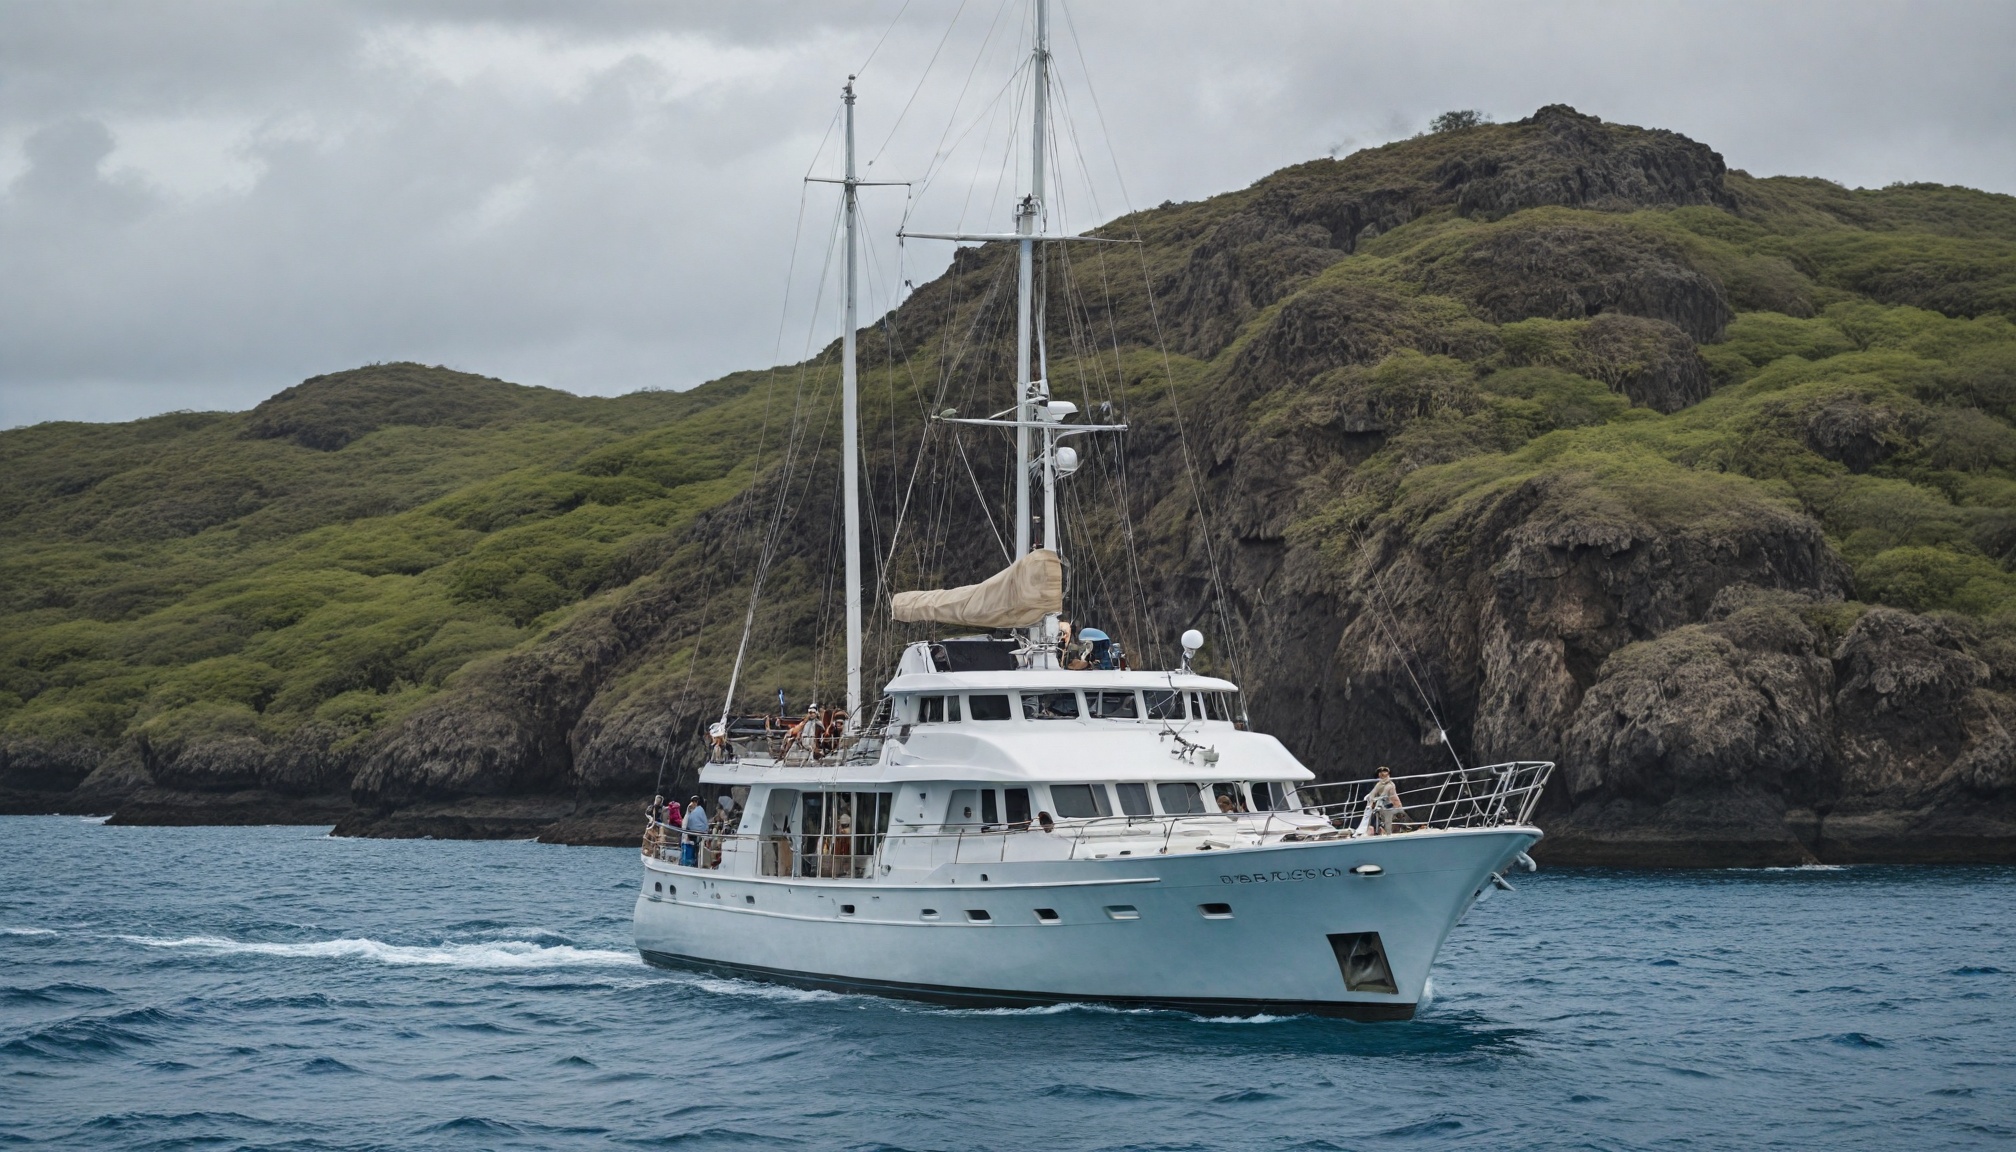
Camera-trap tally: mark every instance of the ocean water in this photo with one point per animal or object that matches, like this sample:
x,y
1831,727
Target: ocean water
x,y
273,988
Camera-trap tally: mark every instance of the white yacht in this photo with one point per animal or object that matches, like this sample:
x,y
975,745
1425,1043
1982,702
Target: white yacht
x,y
1021,819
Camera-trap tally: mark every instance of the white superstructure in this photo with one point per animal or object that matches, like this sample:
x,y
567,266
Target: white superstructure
x,y
1018,822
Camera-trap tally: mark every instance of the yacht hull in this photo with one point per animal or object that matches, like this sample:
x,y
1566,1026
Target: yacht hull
x,y
1224,932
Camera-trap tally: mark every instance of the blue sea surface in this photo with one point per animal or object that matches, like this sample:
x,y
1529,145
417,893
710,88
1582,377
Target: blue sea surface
x,y
274,988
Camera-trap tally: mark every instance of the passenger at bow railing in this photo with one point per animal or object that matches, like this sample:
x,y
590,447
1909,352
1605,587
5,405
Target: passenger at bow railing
x,y
1386,807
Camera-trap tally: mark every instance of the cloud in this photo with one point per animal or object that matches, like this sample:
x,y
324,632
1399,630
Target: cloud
x,y
205,202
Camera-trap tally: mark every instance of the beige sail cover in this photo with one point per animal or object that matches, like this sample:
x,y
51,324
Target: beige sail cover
x,y
1015,597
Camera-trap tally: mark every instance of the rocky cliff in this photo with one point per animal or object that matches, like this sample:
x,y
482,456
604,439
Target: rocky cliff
x,y
1552,439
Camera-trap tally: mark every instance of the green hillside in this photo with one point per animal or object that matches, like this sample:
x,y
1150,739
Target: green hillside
x,y
1392,377
316,566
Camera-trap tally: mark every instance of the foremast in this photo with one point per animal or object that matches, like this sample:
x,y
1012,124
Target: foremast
x,y
850,421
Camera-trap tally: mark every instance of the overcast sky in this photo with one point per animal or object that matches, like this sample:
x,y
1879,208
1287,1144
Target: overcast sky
x,y
202,203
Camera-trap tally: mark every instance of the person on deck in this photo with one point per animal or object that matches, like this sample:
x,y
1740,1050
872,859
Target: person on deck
x,y
1385,801
696,827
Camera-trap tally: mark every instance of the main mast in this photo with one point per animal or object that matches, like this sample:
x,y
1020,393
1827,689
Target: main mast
x,y
850,468
1032,390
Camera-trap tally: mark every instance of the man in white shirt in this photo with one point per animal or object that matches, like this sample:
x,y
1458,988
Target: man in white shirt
x,y
696,827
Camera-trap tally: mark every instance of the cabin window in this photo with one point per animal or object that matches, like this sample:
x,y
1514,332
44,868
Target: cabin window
x,y
1111,706
1018,805
1224,794
1163,704
990,809
1179,799
1134,800
1050,705
1271,796
1080,801
987,707
930,709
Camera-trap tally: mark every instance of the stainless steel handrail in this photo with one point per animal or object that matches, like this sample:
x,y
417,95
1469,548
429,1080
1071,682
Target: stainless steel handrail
x,y
1486,796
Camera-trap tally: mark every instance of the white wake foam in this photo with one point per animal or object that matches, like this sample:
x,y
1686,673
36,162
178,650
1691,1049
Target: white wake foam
x,y
1798,868
27,932
492,954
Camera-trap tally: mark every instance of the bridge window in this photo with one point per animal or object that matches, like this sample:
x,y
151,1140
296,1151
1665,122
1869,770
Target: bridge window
x,y
1050,705
1111,705
1018,806
1163,704
1179,799
1271,796
1080,801
1134,799
938,709
987,707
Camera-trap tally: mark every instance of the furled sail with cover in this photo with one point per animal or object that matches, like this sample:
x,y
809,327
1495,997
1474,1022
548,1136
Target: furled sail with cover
x,y
1015,597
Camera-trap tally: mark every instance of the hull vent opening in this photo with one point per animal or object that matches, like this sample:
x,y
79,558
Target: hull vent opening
x,y
846,909
1123,912
978,915
1047,915
1362,959
1216,911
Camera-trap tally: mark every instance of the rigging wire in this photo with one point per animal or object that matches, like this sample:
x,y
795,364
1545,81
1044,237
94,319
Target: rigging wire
x,y
1400,652
885,36
922,77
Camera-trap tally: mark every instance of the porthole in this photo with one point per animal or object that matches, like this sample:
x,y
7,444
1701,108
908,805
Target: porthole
x,y
1123,912
978,916
1216,911
748,899
671,890
657,887
1367,870
1047,916
846,909
929,914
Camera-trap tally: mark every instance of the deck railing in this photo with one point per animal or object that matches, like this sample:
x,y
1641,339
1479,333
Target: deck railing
x,y
1490,796
1484,796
